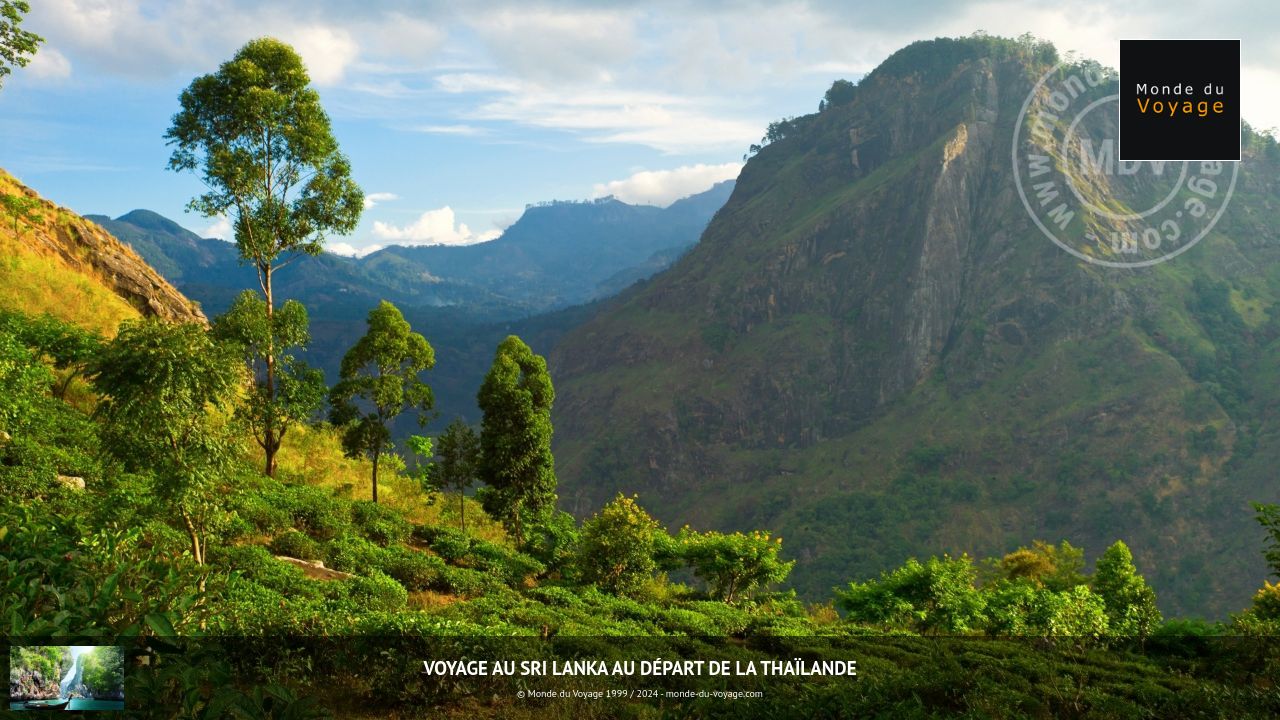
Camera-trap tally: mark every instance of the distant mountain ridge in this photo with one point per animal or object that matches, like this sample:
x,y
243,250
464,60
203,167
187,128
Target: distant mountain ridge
x,y
604,244
465,300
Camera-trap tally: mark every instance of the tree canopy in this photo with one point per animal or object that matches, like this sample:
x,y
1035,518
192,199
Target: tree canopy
x,y
515,436
16,45
378,381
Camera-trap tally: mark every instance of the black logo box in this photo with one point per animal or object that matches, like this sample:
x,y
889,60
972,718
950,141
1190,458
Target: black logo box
x,y
1185,65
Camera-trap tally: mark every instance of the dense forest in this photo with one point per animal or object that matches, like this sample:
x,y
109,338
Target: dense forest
x,y
261,548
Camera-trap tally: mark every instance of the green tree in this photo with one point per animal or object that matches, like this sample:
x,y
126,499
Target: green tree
x,y
162,386
458,449
515,436
1059,567
1130,602
378,381
841,92
262,143
20,209
22,380
617,546
299,390
733,564
1269,519
937,595
16,45
70,347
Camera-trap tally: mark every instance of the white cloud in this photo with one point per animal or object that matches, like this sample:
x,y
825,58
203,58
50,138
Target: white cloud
x,y
434,227
466,130
663,187
349,250
49,64
667,122
555,45
326,51
372,199
221,229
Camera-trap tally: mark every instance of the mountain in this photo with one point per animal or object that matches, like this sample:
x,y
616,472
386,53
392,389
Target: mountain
x,y
465,300
59,263
210,271
604,241
875,351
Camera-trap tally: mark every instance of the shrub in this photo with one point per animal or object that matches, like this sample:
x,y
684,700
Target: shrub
x,y
511,565
414,570
315,511
296,545
354,554
448,543
554,542
464,581
733,564
378,591
255,563
616,549
264,513
379,523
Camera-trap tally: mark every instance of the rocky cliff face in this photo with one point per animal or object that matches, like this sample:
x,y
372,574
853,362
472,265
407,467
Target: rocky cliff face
x,y
32,685
83,247
875,351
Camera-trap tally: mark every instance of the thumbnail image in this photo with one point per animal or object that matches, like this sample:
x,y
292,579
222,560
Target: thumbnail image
x,y
66,677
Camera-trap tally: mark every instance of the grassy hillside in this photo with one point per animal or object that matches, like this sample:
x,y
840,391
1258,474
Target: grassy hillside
x,y
36,280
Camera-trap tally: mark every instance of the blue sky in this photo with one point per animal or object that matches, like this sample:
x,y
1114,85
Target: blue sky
x,y
456,115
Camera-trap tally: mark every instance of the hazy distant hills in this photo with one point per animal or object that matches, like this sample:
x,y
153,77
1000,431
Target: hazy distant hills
x,y
556,255
563,254
465,300
874,351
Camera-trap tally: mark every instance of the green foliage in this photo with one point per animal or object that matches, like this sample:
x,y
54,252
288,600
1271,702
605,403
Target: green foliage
x,y
1130,602
159,383
103,670
263,146
841,92
515,437
458,449
354,554
415,570
19,208
297,545
61,576
378,381
553,541
383,526
1266,602
22,381
69,347
617,547
935,596
291,392
1054,567
16,45
1269,519
733,565
378,592
264,149
314,510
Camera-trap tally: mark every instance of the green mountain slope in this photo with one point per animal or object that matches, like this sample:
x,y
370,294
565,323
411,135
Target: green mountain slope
x,y
874,351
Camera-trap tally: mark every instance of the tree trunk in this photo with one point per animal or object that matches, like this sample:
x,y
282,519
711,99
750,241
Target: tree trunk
x,y
376,453
270,443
